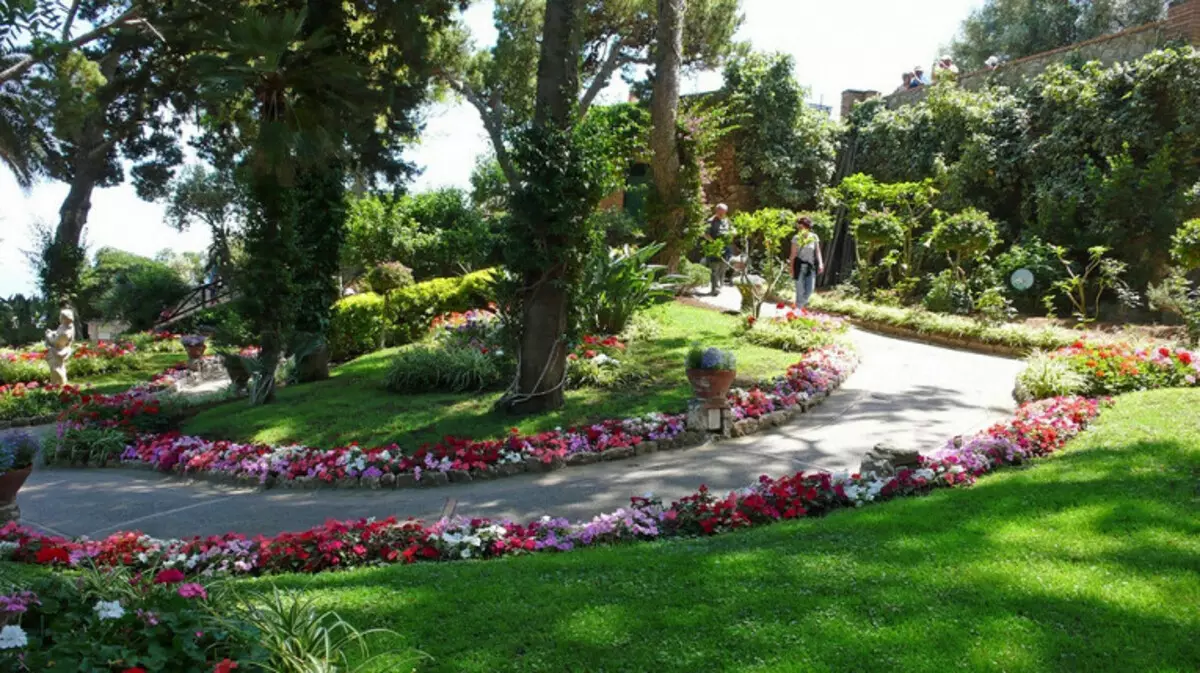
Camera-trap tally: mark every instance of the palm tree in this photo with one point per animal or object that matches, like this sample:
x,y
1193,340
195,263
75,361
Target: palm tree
x,y
20,149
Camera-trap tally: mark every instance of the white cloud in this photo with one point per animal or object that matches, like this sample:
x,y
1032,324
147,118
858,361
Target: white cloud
x,y
852,44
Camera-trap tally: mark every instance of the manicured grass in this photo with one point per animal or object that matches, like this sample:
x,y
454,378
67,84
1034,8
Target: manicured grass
x,y
353,406
1087,561
149,366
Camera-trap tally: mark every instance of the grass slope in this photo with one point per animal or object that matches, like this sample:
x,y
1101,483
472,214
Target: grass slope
x,y
1089,561
149,366
353,406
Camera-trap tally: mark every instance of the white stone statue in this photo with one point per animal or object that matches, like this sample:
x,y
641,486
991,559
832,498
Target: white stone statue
x,y
59,344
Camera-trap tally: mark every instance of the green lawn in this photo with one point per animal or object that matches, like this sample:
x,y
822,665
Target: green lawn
x,y
1088,561
353,406
149,366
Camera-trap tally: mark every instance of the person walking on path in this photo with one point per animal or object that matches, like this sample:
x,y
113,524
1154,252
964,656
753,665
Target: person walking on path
x,y
806,261
718,250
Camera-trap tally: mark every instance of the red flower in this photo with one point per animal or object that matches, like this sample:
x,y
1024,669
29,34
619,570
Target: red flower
x,y
47,555
750,320
589,354
169,576
135,669
225,666
781,305
1185,357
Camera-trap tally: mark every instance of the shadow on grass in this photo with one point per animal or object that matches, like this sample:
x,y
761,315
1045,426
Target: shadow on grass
x,y
1087,562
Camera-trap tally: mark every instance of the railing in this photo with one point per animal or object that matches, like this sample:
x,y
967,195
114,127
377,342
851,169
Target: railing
x,y
200,298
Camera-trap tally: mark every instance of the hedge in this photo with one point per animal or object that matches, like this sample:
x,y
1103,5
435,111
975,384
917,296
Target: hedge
x,y
358,320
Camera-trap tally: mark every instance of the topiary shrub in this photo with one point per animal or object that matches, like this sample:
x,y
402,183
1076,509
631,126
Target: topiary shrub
x,y
389,276
355,326
964,235
425,369
359,320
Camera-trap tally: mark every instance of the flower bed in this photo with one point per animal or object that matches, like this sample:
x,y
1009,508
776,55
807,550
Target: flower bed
x,y
26,366
797,331
950,330
1089,368
145,420
34,403
1036,430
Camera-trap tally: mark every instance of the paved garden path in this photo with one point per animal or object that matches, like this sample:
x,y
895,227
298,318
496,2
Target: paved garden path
x,y
904,392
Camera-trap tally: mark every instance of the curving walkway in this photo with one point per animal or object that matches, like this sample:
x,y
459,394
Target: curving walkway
x,y
904,392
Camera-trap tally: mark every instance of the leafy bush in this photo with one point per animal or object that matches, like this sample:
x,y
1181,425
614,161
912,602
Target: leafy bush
x,y
790,337
226,324
426,369
1178,295
964,235
124,286
1116,368
993,307
1046,376
355,326
1185,245
358,321
1041,259
389,276
436,234
614,286
688,277
95,446
947,295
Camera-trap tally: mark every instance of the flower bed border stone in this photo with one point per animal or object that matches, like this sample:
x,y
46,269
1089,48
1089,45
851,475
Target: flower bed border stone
x,y
687,438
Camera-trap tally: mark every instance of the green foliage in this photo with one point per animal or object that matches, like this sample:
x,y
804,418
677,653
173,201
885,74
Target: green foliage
x,y
823,223
970,233
1084,288
614,286
1047,376
689,277
785,148
1041,259
947,294
436,234
1185,245
875,232
389,276
226,323
128,287
1019,28
93,446
424,369
795,336
19,320
151,625
1178,295
359,320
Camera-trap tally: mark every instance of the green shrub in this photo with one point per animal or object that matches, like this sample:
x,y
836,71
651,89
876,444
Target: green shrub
x,y
355,326
616,284
689,277
226,323
389,276
84,446
947,295
1046,376
792,337
21,371
358,321
426,369
1185,245
1040,258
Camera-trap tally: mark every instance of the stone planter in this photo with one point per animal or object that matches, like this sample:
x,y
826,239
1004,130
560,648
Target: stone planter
x,y
11,482
235,367
711,386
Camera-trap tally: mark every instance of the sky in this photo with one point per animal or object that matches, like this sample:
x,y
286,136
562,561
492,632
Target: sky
x,y
850,44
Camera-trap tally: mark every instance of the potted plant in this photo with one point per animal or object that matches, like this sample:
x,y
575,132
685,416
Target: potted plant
x,y
17,451
711,372
195,345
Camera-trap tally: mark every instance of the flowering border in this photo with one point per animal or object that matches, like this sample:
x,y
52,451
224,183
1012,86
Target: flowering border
x,y
455,460
1037,429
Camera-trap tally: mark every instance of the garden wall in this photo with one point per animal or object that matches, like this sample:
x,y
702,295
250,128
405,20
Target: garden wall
x,y
1182,23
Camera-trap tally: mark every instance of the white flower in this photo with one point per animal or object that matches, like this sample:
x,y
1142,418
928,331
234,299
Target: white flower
x,y
12,637
452,538
109,610
923,473
473,540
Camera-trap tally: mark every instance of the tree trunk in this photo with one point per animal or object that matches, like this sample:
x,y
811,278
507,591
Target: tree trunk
x,y
667,219
544,300
65,257
543,348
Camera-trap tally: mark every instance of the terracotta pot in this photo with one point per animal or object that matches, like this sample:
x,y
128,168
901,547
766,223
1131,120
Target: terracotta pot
x,y
196,352
712,386
11,482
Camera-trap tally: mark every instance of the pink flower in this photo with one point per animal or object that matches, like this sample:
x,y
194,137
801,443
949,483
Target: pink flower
x,y
169,576
192,590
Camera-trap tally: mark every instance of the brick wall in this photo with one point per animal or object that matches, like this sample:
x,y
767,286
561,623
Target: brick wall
x,y
1183,21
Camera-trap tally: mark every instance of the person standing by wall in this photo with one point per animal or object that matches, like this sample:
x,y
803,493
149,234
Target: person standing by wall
x,y
806,260
718,250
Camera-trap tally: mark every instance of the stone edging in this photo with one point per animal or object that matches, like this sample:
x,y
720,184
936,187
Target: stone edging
x,y
430,478
28,422
959,342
